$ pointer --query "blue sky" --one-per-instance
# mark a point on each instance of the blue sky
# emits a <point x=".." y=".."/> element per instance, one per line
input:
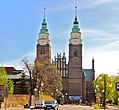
<point x="20" y="23"/>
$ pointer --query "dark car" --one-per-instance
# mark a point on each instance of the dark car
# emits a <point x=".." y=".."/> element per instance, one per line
<point x="51" y="104"/>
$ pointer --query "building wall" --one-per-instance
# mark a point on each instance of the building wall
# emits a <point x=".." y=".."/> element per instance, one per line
<point x="74" y="79"/>
<point x="43" y="53"/>
<point x="75" y="61"/>
<point x="76" y="76"/>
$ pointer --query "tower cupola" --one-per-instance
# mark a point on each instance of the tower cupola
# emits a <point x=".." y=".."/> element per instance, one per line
<point x="44" y="29"/>
<point x="75" y="23"/>
<point x="75" y="35"/>
<point x="44" y="34"/>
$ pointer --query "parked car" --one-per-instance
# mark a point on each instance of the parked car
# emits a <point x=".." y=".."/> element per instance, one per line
<point x="51" y="104"/>
<point x="40" y="104"/>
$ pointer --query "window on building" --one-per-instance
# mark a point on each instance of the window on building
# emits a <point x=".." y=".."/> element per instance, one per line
<point x="66" y="73"/>
<point x="58" y="63"/>
<point x="75" y="53"/>
<point x="61" y="73"/>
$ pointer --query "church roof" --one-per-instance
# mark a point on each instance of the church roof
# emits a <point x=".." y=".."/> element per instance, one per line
<point x="44" y="29"/>
<point x="9" y="69"/>
<point x="88" y="73"/>
<point x="12" y="73"/>
<point x="17" y="76"/>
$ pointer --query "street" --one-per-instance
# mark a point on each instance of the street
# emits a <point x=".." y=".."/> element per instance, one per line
<point x="64" y="107"/>
<point x="61" y="107"/>
<point x="71" y="107"/>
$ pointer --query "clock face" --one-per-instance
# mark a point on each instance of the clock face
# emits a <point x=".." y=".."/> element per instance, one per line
<point x="42" y="51"/>
<point x="75" y="59"/>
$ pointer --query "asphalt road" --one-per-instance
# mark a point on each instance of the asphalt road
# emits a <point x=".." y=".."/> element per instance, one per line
<point x="71" y="107"/>
<point x="66" y="107"/>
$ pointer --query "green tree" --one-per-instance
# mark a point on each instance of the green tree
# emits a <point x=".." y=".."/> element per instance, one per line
<point x="102" y="85"/>
<point x="4" y="80"/>
<point x="23" y="86"/>
<point x="47" y="77"/>
<point x="113" y="93"/>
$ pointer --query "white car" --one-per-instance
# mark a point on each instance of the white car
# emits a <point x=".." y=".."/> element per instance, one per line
<point x="51" y="104"/>
<point x="40" y="104"/>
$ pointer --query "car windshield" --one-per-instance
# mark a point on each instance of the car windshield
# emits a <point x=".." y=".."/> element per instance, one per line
<point x="39" y="102"/>
<point x="49" y="102"/>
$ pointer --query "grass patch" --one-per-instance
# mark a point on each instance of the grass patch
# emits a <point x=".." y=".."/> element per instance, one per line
<point x="99" y="106"/>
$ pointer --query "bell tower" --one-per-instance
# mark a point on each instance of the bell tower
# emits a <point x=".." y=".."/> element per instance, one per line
<point x="76" y="75"/>
<point x="43" y="51"/>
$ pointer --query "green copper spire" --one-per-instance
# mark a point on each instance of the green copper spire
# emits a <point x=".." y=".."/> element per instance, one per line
<point x="75" y="23"/>
<point x="44" y="29"/>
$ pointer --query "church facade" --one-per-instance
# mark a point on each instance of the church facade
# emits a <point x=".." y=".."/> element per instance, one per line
<point x="76" y="81"/>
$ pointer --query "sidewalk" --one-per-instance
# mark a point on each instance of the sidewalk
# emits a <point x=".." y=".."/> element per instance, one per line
<point x="14" y="108"/>
<point x="109" y="108"/>
<point x="112" y="108"/>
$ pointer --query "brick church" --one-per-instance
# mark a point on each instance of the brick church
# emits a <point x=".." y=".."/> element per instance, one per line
<point x="76" y="81"/>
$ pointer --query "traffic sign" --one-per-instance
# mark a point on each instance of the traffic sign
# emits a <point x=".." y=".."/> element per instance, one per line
<point x="117" y="86"/>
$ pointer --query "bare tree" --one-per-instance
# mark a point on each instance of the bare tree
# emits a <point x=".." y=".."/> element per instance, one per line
<point x="29" y="67"/>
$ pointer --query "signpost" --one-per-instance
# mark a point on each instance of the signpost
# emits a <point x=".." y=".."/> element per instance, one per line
<point x="117" y="89"/>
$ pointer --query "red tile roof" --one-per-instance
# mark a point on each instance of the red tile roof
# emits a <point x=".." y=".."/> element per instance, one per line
<point x="9" y="69"/>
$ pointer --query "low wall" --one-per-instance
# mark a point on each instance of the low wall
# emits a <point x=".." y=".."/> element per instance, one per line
<point x="17" y="100"/>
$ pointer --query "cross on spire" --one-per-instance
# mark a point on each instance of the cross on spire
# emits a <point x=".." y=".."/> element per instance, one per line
<point x="75" y="10"/>
<point x="44" y="11"/>
<point x="75" y="21"/>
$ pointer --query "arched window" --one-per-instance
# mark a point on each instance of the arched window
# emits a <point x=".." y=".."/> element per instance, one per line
<point x="75" y="53"/>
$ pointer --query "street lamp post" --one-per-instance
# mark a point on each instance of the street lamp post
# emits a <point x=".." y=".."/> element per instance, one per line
<point x="104" y="103"/>
<point x="56" y="94"/>
<point x="30" y="93"/>
<point x="96" y="92"/>
<point x="66" y="97"/>
<point x="36" y="93"/>
<point x="40" y="89"/>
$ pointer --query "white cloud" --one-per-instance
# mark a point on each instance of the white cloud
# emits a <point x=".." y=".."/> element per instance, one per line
<point x="103" y="1"/>
<point x="116" y="26"/>
<point x="81" y="4"/>
<point x="95" y="33"/>
<point x="91" y="3"/>
<point x="17" y="63"/>
<point x="105" y="62"/>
